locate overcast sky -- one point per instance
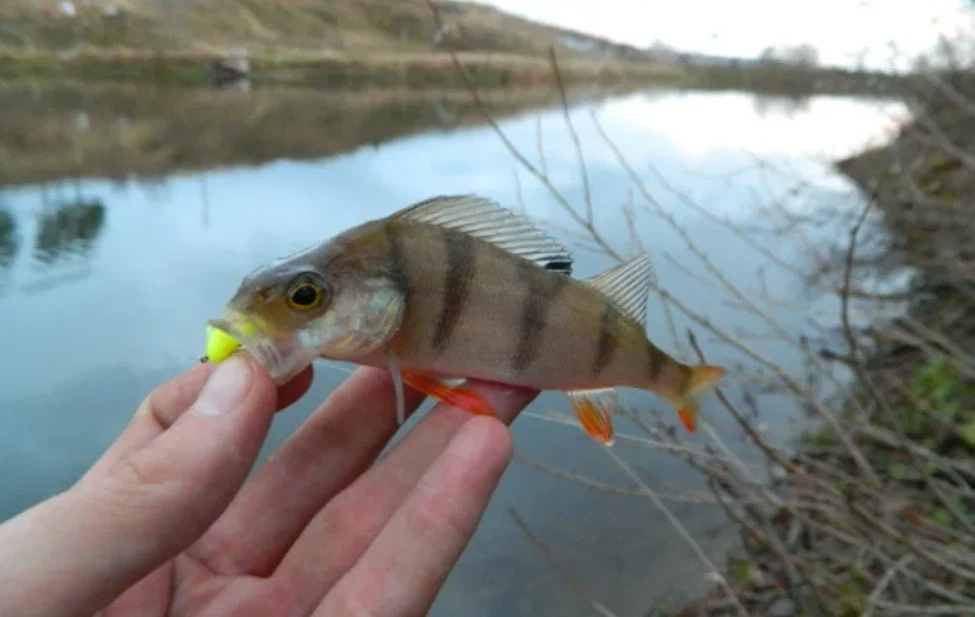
(840, 28)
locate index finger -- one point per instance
(163, 406)
(421, 543)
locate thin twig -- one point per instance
(684, 533)
(572, 132)
(550, 557)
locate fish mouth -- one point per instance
(281, 353)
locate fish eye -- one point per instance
(304, 294)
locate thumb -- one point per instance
(79, 550)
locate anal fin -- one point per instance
(688, 416)
(594, 409)
(459, 396)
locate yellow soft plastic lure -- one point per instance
(220, 345)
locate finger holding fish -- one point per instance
(327, 453)
(353, 520)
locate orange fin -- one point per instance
(688, 417)
(594, 409)
(703, 378)
(458, 396)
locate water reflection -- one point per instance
(785, 104)
(8, 239)
(170, 252)
(68, 231)
(118, 131)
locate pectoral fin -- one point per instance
(459, 396)
(397, 378)
(594, 408)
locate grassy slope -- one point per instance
(344, 42)
(306, 42)
(282, 24)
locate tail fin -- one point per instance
(703, 378)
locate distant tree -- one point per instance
(922, 64)
(860, 60)
(767, 56)
(805, 55)
(947, 54)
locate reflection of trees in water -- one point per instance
(156, 190)
(125, 131)
(878, 262)
(787, 105)
(69, 230)
(8, 239)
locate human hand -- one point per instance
(164, 523)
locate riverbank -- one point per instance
(875, 511)
(334, 68)
(424, 69)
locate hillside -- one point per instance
(263, 26)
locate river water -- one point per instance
(128, 216)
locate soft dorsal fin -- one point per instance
(626, 286)
(485, 219)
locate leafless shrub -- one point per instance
(873, 512)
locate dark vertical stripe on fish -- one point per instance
(541, 287)
(397, 263)
(608, 336)
(655, 360)
(457, 281)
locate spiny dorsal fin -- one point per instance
(626, 286)
(485, 219)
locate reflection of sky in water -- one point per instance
(81, 347)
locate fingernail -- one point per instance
(226, 388)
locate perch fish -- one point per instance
(459, 287)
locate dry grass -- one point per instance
(262, 25)
(313, 69)
(303, 42)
